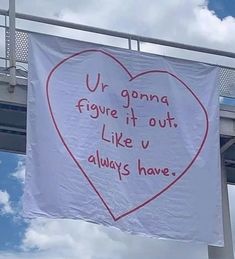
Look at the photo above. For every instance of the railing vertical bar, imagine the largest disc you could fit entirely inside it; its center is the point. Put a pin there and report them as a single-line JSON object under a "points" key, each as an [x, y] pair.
{"points": [[138, 45], [5, 31], [129, 43], [12, 46]]}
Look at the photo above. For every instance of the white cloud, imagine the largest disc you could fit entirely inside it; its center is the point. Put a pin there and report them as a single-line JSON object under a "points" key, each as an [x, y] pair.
{"points": [[19, 172], [78, 239], [184, 21], [62, 239], [5, 205]]}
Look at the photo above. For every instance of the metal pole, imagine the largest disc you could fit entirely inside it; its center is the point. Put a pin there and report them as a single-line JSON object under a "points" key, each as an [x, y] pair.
{"points": [[225, 252], [12, 46], [5, 41], [129, 43], [138, 45]]}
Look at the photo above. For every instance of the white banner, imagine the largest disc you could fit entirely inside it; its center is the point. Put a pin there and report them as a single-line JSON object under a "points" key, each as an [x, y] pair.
{"points": [[123, 139]]}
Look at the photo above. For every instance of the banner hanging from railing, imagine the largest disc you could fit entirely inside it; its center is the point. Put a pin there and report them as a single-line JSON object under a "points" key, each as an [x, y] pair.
{"points": [[124, 139]]}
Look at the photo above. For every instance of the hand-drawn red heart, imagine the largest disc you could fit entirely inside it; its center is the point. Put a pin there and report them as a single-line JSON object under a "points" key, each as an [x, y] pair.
{"points": [[131, 78]]}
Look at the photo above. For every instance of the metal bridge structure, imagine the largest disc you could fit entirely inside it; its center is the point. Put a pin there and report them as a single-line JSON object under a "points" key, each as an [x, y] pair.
{"points": [[13, 90]]}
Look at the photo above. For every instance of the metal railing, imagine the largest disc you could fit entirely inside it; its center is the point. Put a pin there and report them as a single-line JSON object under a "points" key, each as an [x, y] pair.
{"points": [[18, 48]]}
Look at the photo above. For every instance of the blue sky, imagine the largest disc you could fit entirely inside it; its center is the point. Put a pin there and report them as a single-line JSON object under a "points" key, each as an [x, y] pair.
{"points": [[11, 224], [222, 8], [43, 238]]}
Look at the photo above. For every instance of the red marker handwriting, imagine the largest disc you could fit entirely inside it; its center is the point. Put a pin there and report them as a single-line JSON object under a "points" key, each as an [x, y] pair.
{"points": [[131, 118], [129, 96], [146, 171], [95, 110], [116, 138], [94, 88], [167, 122], [105, 162], [145, 144]]}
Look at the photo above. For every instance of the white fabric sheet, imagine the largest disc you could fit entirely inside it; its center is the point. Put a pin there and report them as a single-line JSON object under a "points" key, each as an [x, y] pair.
{"points": [[123, 139]]}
